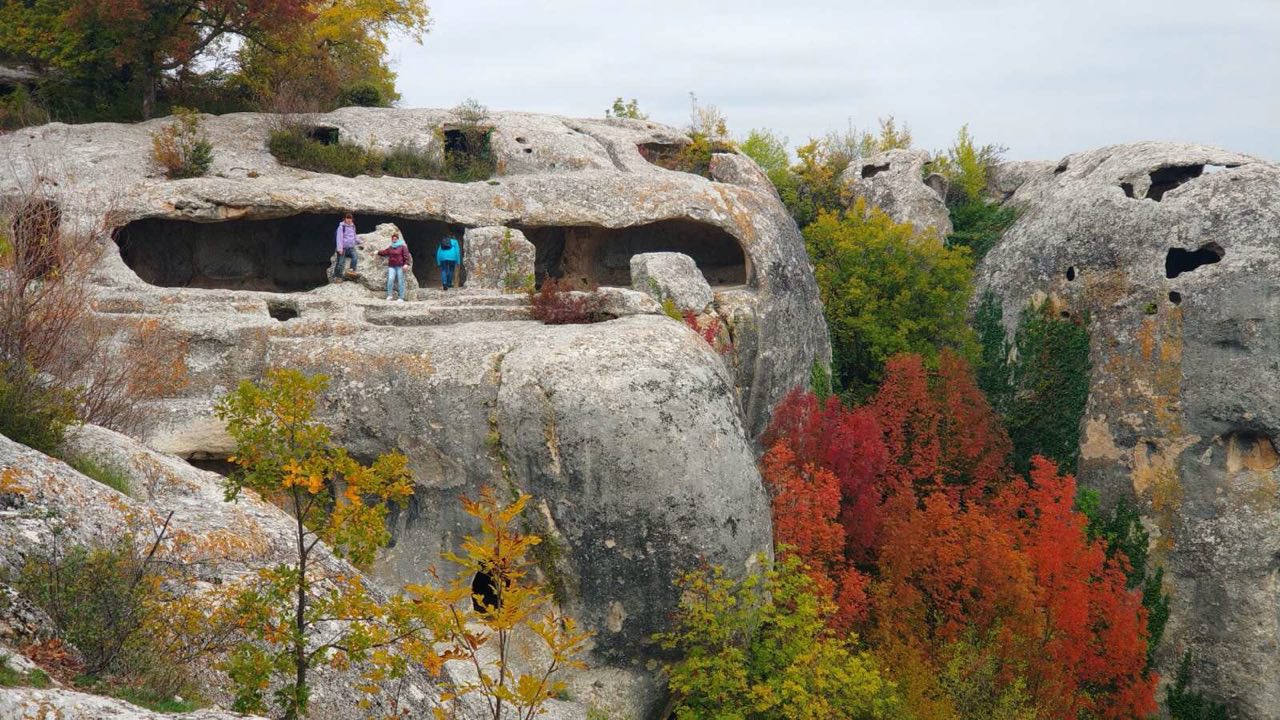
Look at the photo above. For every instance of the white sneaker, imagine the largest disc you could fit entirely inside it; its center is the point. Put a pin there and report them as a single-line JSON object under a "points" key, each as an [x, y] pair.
{"points": [[389, 298], [400, 300]]}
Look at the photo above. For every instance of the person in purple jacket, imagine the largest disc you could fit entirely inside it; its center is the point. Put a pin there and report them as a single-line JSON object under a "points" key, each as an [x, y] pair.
{"points": [[346, 244]]}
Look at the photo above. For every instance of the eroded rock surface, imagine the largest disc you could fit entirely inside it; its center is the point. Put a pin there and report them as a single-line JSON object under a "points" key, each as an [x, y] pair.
{"points": [[635, 436], [498, 258], [62, 704], [671, 276], [1171, 250], [895, 182]]}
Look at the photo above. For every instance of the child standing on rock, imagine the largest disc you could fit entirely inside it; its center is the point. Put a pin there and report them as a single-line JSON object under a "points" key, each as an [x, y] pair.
{"points": [[346, 242], [447, 257], [398, 258]]}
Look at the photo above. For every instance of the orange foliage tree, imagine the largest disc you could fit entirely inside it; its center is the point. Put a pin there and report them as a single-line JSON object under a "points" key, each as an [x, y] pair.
{"points": [[979, 590]]}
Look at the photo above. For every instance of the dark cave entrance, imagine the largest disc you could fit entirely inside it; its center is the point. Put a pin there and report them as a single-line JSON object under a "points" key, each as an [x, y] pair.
{"points": [[870, 171], [484, 593], [584, 256], [1167, 178], [1180, 260], [289, 254]]}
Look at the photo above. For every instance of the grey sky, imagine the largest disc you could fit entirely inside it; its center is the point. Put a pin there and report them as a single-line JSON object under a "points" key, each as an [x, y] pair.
{"points": [[1043, 77]]}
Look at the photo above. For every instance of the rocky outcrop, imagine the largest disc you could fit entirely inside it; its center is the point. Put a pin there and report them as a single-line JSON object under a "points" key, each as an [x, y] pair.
{"points": [[1170, 252], [895, 182], [635, 436], [61, 704], [371, 267], [498, 258], [671, 276]]}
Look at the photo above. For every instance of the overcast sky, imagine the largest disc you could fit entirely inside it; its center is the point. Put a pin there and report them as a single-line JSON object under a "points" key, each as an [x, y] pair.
{"points": [[1042, 77]]}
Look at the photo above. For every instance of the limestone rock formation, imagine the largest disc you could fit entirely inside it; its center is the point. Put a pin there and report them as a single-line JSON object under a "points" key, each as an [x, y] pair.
{"points": [[635, 436], [33, 704], [671, 276], [894, 181], [373, 268], [498, 258], [1170, 250]]}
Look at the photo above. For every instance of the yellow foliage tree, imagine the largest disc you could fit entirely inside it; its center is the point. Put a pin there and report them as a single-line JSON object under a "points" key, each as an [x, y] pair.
{"points": [[484, 626]]}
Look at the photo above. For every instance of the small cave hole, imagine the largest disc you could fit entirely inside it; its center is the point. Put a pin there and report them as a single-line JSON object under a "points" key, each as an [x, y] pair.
{"points": [[1071, 273], [484, 592], [282, 311], [528, 151], [1128, 189], [219, 465], [1250, 450], [522, 140], [873, 170], [324, 135], [1180, 260], [1064, 314], [1175, 297], [1167, 178], [1062, 167]]}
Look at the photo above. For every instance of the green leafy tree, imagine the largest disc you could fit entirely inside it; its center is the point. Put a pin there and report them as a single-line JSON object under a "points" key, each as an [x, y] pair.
{"points": [[760, 649], [629, 109], [768, 150], [310, 611], [967, 166], [979, 225], [512, 611], [886, 289]]}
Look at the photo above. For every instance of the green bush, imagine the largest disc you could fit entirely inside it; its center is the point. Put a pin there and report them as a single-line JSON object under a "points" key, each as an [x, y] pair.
{"points": [[12, 677], [362, 94], [761, 649], [32, 412], [886, 288], [292, 146], [978, 225], [112, 476], [19, 109], [409, 160]]}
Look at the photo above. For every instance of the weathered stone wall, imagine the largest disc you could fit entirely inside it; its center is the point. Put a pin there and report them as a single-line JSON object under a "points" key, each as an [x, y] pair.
{"points": [[1184, 408]]}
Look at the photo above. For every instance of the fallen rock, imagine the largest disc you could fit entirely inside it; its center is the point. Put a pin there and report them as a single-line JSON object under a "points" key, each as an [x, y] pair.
{"points": [[372, 267], [671, 276]]}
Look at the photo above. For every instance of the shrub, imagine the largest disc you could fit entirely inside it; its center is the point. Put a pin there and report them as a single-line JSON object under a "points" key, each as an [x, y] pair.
{"points": [[760, 649], [886, 289], [625, 109], [110, 603], [1184, 703], [292, 146], [33, 412], [555, 304], [112, 476], [979, 224], [53, 348], [409, 160], [18, 110], [181, 148], [12, 677], [967, 166], [363, 94]]}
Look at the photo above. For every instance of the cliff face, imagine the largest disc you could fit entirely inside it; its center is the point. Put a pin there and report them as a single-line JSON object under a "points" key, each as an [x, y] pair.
{"points": [[635, 436], [1171, 252]]}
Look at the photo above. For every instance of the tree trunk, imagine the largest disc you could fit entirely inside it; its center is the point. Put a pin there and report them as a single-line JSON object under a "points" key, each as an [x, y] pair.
{"points": [[150, 78]]}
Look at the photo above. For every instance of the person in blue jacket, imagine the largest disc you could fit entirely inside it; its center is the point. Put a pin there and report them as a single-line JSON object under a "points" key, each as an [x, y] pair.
{"points": [[448, 255]]}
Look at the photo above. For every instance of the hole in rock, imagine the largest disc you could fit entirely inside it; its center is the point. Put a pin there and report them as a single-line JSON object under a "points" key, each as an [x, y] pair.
{"points": [[1175, 297], [221, 466], [1062, 167], [1064, 313], [290, 254], [324, 135], [484, 592], [1127, 188], [1250, 450], [522, 140], [873, 170], [1167, 178], [1180, 260], [661, 154], [1071, 273], [590, 256], [282, 311], [528, 151]]}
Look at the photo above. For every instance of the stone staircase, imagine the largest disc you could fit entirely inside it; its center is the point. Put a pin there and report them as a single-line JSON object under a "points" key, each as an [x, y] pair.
{"points": [[433, 307]]}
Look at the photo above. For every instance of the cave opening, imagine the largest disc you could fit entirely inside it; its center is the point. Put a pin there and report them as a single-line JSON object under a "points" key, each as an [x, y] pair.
{"points": [[484, 593], [282, 311], [1175, 297], [1181, 260], [1071, 273], [586, 256], [869, 171], [1167, 178], [323, 134], [1127, 188], [289, 254]]}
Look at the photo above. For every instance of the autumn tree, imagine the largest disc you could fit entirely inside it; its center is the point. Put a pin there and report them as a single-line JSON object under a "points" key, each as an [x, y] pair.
{"points": [[313, 609], [886, 288], [495, 603], [760, 648], [625, 109]]}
